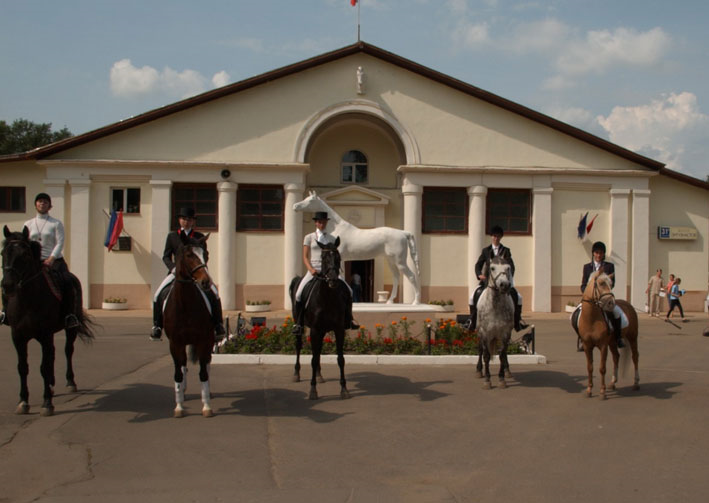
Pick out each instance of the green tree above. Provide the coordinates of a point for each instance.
(23, 135)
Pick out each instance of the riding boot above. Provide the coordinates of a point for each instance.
(156, 331)
(69, 302)
(473, 321)
(216, 304)
(298, 313)
(519, 324)
(617, 330)
(349, 318)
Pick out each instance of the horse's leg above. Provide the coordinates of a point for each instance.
(411, 276)
(395, 278)
(204, 360)
(340, 343)
(602, 370)
(47, 371)
(316, 339)
(298, 348)
(616, 357)
(486, 359)
(636, 357)
(179, 358)
(588, 349)
(504, 366)
(69, 354)
(23, 369)
(479, 366)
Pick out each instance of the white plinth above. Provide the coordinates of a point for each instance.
(382, 296)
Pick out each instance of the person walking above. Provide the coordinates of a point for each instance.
(674, 296)
(654, 287)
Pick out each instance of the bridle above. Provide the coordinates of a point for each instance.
(196, 268)
(28, 278)
(331, 274)
(597, 298)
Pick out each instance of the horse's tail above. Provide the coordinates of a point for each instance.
(86, 327)
(412, 250)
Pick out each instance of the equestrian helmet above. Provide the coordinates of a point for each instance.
(321, 215)
(497, 231)
(598, 246)
(43, 195)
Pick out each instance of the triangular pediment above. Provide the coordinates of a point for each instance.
(355, 196)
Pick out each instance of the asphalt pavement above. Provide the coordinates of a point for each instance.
(414, 433)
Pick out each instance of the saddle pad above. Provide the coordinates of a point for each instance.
(204, 298)
(623, 318)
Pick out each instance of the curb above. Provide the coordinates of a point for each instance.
(259, 359)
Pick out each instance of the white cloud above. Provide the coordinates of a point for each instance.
(220, 79)
(672, 130)
(471, 35)
(128, 81)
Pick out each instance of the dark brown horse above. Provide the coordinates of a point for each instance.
(595, 332)
(324, 312)
(188, 321)
(34, 312)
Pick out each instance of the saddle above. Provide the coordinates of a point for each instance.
(55, 281)
(165, 294)
(577, 312)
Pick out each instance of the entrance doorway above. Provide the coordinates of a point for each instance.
(365, 270)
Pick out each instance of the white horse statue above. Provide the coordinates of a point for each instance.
(365, 244)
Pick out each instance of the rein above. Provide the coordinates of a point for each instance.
(493, 284)
(23, 281)
(598, 297)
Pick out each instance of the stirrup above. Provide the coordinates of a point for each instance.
(3, 318)
(71, 321)
(521, 326)
(619, 343)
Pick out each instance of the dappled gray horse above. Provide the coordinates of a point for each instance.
(496, 317)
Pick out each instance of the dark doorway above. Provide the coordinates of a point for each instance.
(365, 270)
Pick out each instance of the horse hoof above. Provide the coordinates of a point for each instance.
(207, 413)
(47, 411)
(71, 388)
(179, 413)
(508, 374)
(313, 395)
(588, 393)
(487, 385)
(612, 386)
(296, 378)
(344, 394)
(479, 374)
(321, 380)
(22, 408)
(503, 384)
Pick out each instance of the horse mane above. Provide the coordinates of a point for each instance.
(595, 276)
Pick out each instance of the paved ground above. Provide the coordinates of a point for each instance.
(426, 433)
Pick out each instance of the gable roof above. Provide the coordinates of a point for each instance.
(359, 47)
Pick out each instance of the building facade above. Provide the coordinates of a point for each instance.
(384, 141)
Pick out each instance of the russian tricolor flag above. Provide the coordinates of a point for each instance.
(115, 226)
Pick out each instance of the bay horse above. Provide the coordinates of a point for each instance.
(188, 322)
(366, 244)
(594, 329)
(495, 319)
(325, 310)
(34, 312)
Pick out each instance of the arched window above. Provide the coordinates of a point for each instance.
(354, 167)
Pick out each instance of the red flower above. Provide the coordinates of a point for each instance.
(387, 340)
(327, 340)
(251, 337)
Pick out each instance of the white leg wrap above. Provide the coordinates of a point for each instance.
(206, 396)
(179, 394)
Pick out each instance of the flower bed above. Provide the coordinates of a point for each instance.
(398, 338)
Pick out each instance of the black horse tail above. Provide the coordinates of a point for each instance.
(86, 327)
(293, 287)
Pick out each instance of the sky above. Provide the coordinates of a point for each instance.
(634, 72)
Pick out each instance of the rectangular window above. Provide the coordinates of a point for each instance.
(12, 199)
(445, 210)
(126, 199)
(202, 197)
(511, 209)
(259, 208)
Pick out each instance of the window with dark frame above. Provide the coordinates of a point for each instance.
(445, 210)
(126, 199)
(354, 167)
(511, 209)
(200, 196)
(12, 200)
(260, 207)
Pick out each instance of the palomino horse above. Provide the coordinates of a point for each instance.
(495, 318)
(366, 244)
(324, 312)
(188, 321)
(34, 312)
(595, 332)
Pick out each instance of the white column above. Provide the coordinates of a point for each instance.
(55, 189)
(618, 253)
(476, 231)
(412, 223)
(80, 234)
(227, 230)
(159, 227)
(292, 238)
(541, 225)
(641, 248)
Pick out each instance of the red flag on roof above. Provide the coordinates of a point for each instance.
(115, 226)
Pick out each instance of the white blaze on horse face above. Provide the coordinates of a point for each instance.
(200, 253)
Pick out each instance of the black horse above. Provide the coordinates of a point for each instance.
(35, 312)
(325, 310)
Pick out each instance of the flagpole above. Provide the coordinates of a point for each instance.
(359, 4)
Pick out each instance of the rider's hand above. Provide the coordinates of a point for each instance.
(482, 277)
(49, 261)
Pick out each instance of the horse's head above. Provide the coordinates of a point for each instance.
(598, 291)
(499, 275)
(190, 263)
(331, 262)
(310, 203)
(20, 258)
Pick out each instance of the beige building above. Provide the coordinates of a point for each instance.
(386, 142)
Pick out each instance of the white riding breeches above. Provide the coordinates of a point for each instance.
(169, 279)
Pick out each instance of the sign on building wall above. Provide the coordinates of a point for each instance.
(676, 233)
